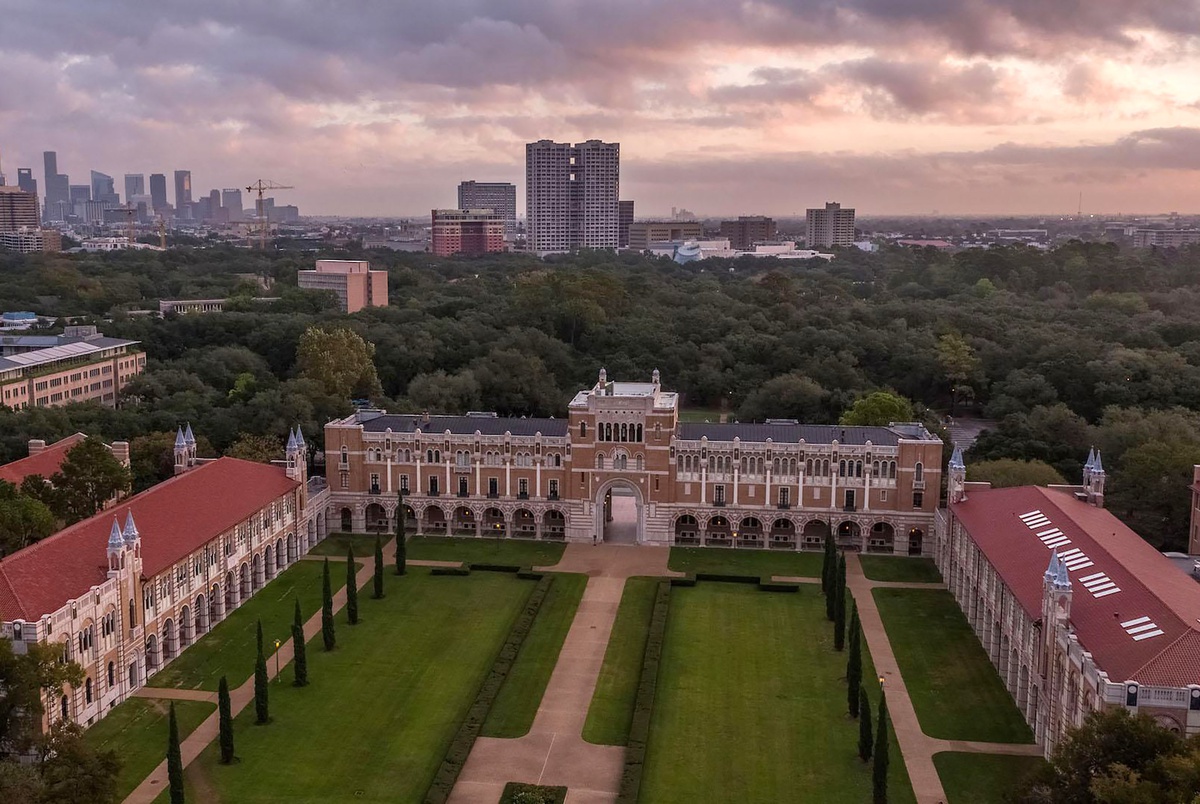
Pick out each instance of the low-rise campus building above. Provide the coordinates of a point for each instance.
(80, 366)
(780, 484)
(126, 590)
(1076, 611)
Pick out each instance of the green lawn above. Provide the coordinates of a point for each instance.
(611, 710)
(137, 731)
(700, 415)
(754, 708)
(515, 707)
(334, 545)
(375, 721)
(954, 688)
(522, 552)
(746, 562)
(896, 568)
(981, 778)
(229, 648)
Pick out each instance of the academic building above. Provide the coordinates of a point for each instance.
(124, 592)
(780, 484)
(79, 366)
(1076, 611)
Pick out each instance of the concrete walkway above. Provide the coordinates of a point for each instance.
(554, 751)
(167, 693)
(153, 785)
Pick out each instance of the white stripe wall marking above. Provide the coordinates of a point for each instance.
(1051, 532)
(1084, 565)
(1067, 555)
(1087, 578)
(1058, 543)
(1137, 629)
(1108, 592)
(1093, 580)
(1101, 587)
(1147, 635)
(1138, 621)
(1030, 514)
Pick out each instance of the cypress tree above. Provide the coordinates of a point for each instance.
(299, 658)
(827, 565)
(864, 725)
(839, 606)
(327, 634)
(259, 638)
(831, 583)
(377, 592)
(226, 721)
(879, 774)
(854, 664)
(262, 711)
(401, 547)
(174, 760)
(351, 587)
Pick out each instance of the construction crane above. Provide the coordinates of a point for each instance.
(259, 187)
(130, 213)
(162, 233)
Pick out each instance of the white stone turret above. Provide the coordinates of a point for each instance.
(297, 456)
(116, 549)
(1093, 479)
(185, 449)
(956, 488)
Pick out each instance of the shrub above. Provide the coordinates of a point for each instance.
(639, 730)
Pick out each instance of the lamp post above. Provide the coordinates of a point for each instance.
(882, 681)
(277, 643)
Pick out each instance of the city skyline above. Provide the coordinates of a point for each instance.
(761, 108)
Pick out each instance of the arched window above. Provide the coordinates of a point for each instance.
(345, 454)
(624, 431)
(825, 467)
(775, 465)
(599, 461)
(112, 674)
(437, 456)
(583, 429)
(808, 467)
(639, 463)
(858, 468)
(792, 467)
(875, 467)
(557, 459)
(841, 468)
(66, 708)
(132, 611)
(428, 456)
(761, 466)
(638, 438)
(892, 470)
(743, 464)
(919, 472)
(87, 691)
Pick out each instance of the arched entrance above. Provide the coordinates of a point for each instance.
(881, 538)
(435, 520)
(750, 532)
(376, 518)
(464, 521)
(619, 516)
(916, 542)
(783, 533)
(347, 523)
(494, 524)
(524, 526)
(719, 531)
(687, 530)
(815, 534)
(849, 536)
(554, 525)
(152, 652)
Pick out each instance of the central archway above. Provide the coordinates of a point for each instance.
(620, 512)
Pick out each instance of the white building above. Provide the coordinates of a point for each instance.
(572, 195)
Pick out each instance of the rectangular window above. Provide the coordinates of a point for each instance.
(719, 495)
(493, 487)
(553, 488)
(433, 486)
(523, 486)
(849, 500)
(918, 499)
(374, 484)
(462, 487)
(883, 495)
(404, 483)
(345, 480)
(785, 497)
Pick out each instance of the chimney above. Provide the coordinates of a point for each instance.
(36, 446)
(120, 451)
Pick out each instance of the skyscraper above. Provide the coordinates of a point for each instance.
(103, 189)
(58, 188)
(26, 181)
(626, 219)
(231, 200)
(183, 191)
(135, 184)
(747, 230)
(18, 210)
(572, 195)
(158, 193)
(832, 226)
(498, 196)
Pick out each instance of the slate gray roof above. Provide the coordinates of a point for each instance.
(467, 425)
(788, 433)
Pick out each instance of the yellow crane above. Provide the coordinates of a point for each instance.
(259, 187)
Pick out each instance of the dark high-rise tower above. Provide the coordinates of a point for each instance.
(58, 188)
(26, 181)
(183, 190)
(158, 193)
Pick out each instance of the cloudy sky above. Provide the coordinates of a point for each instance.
(380, 107)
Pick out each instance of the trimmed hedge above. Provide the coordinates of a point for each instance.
(487, 567)
(777, 586)
(639, 730)
(722, 577)
(686, 580)
(519, 792)
(530, 574)
(450, 571)
(468, 730)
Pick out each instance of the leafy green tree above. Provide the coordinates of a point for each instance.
(377, 577)
(262, 710)
(299, 648)
(1149, 491)
(258, 448)
(789, 396)
(864, 724)
(152, 457)
(960, 367)
(446, 393)
(839, 605)
(351, 587)
(327, 633)
(854, 663)
(878, 409)
(89, 477)
(20, 783)
(339, 360)
(23, 519)
(1007, 472)
(72, 771)
(879, 771)
(27, 680)
(225, 721)
(174, 759)
(401, 539)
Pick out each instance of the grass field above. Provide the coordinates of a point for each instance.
(755, 709)
(981, 778)
(334, 545)
(746, 562)
(700, 415)
(229, 648)
(137, 731)
(954, 688)
(515, 708)
(381, 709)
(894, 568)
(523, 552)
(611, 710)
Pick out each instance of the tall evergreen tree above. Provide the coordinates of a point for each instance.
(259, 638)
(864, 724)
(351, 587)
(377, 591)
(854, 664)
(225, 720)
(839, 606)
(830, 583)
(401, 546)
(827, 565)
(299, 657)
(262, 711)
(327, 633)
(174, 760)
(879, 774)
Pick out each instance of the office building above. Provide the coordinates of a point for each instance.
(643, 233)
(183, 190)
(79, 366)
(625, 218)
(498, 196)
(18, 209)
(158, 193)
(58, 190)
(353, 281)
(467, 231)
(103, 189)
(572, 195)
(1165, 238)
(25, 180)
(231, 202)
(829, 227)
(135, 184)
(31, 241)
(747, 230)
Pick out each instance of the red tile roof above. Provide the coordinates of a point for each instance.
(1148, 585)
(45, 463)
(175, 518)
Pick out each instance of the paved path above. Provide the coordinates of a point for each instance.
(206, 732)
(175, 695)
(389, 560)
(554, 751)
